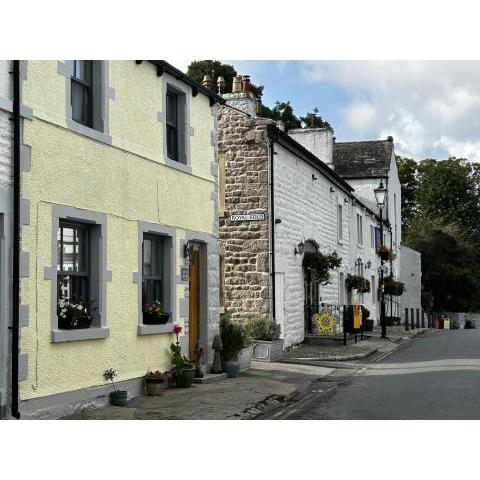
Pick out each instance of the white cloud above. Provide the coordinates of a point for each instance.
(359, 115)
(431, 108)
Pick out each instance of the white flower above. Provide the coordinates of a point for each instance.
(79, 307)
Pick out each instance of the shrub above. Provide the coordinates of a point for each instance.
(260, 328)
(234, 338)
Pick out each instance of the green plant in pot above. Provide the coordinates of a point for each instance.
(154, 382)
(117, 397)
(182, 373)
(259, 328)
(234, 338)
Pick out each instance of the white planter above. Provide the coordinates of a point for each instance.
(245, 358)
(265, 351)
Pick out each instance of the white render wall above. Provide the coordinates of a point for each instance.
(308, 210)
(319, 141)
(412, 278)
(364, 189)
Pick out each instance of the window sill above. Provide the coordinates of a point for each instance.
(154, 329)
(178, 165)
(89, 132)
(80, 334)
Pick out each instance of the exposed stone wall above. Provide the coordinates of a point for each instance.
(246, 243)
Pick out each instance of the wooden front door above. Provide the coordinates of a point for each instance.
(194, 304)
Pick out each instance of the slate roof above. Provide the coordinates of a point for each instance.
(368, 159)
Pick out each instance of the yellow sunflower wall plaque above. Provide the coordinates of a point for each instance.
(325, 322)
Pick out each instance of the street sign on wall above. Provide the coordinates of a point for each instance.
(247, 217)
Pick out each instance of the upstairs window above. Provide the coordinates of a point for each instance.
(340, 222)
(359, 229)
(176, 125)
(172, 126)
(82, 92)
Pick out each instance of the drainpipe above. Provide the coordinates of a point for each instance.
(16, 237)
(272, 228)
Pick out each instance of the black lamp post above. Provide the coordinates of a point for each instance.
(380, 193)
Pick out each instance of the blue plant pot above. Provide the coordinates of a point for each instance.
(232, 369)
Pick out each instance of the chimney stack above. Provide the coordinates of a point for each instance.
(318, 141)
(241, 97)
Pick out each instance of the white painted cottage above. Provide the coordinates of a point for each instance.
(279, 197)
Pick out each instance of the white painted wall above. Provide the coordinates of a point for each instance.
(364, 189)
(319, 141)
(412, 278)
(307, 209)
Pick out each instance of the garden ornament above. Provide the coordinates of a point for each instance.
(198, 361)
(217, 361)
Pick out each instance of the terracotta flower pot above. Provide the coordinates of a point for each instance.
(154, 386)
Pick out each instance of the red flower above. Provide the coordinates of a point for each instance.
(177, 329)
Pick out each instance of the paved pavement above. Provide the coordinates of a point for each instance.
(435, 376)
(371, 347)
(262, 388)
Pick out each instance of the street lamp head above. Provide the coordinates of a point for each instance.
(380, 193)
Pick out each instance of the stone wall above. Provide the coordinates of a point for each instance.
(243, 140)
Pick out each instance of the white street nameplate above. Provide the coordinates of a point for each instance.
(247, 217)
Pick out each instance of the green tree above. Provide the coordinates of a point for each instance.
(314, 120)
(407, 173)
(450, 267)
(282, 111)
(448, 194)
(197, 69)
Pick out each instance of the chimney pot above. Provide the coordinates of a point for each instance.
(221, 85)
(246, 84)
(207, 81)
(237, 84)
(389, 138)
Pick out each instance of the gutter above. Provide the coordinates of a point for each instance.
(163, 66)
(16, 237)
(272, 229)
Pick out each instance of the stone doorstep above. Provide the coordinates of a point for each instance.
(211, 378)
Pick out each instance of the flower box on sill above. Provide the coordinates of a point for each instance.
(155, 318)
(80, 322)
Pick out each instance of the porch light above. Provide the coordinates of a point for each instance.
(300, 248)
(380, 193)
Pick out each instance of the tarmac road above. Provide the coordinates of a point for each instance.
(432, 377)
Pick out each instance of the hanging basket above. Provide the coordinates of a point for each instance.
(358, 283)
(393, 287)
(320, 265)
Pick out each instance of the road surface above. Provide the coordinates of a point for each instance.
(433, 377)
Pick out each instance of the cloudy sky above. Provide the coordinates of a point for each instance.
(431, 108)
